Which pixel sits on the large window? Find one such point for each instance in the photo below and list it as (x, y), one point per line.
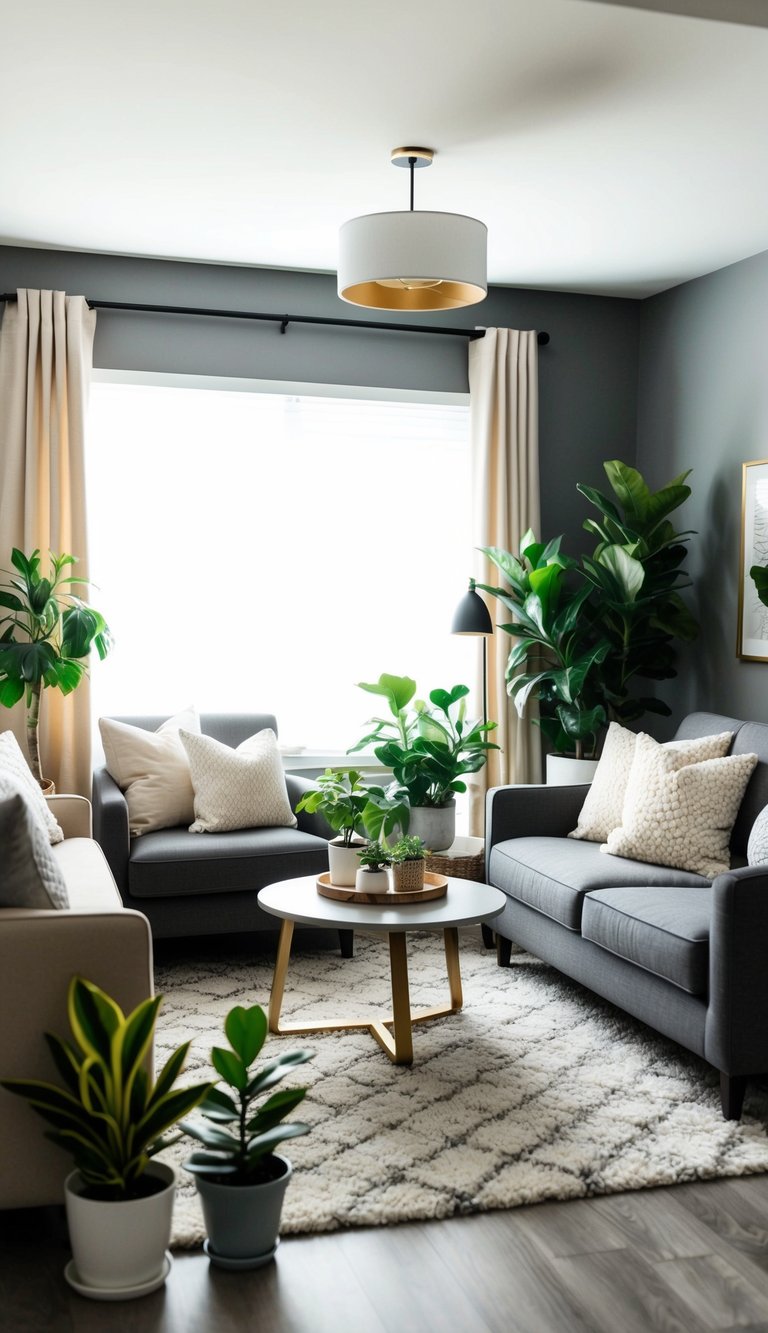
(266, 550)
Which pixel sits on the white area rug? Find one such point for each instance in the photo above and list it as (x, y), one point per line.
(536, 1090)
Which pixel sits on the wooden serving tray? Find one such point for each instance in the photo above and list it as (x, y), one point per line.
(435, 886)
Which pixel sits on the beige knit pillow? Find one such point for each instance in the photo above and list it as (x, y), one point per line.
(603, 807)
(242, 788)
(152, 770)
(680, 814)
(13, 763)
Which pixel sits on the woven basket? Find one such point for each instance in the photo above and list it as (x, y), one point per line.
(460, 867)
(407, 876)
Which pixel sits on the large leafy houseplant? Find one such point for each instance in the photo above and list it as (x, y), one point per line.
(589, 631)
(428, 749)
(110, 1114)
(340, 797)
(49, 633)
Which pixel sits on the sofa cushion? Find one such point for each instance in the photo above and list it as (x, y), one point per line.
(29, 876)
(663, 930)
(554, 874)
(152, 770)
(174, 862)
(13, 764)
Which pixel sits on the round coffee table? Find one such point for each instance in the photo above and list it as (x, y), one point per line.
(297, 901)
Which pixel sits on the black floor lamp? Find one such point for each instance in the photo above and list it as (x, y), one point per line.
(473, 617)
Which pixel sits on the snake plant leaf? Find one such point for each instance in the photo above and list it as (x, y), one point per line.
(94, 1018)
(246, 1031)
(168, 1110)
(168, 1074)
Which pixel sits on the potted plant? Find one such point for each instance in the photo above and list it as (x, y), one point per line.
(589, 631)
(372, 874)
(241, 1180)
(341, 798)
(110, 1114)
(408, 857)
(428, 750)
(48, 635)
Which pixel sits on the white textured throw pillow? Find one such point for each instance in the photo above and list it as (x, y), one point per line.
(680, 814)
(152, 770)
(12, 761)
(603, 807)
(757, 847)
(29, 875)
(242, 788)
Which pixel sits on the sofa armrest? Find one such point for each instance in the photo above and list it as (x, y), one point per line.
(531, 810)
(296, 787)
(736, 1039)
(73, 813)
(110, 825)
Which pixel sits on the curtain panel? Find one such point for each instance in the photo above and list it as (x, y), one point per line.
(504, 433)
(46, 357)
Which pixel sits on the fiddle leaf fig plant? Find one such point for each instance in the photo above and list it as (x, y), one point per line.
(49, 633)
(110, 1115)
(238, 1137)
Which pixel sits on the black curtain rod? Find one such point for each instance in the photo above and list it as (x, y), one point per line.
(285, 320)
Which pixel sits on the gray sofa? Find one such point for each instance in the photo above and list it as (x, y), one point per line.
(684, 954)
(207, 883)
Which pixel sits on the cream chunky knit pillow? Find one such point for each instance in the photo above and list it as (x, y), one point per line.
(152, 770)
(603, 807)
(242, 788)
(13, 764)
(680, 814)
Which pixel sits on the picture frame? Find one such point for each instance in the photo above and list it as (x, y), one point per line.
(752, 640)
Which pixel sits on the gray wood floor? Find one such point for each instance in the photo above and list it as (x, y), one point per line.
(687, 1258)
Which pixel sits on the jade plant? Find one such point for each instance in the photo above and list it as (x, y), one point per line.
(49, 633)
(110, 1114)
(238, 1137)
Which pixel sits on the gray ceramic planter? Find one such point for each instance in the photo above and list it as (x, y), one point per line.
(243, 1221)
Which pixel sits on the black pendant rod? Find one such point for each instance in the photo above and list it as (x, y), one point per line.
(285, 320)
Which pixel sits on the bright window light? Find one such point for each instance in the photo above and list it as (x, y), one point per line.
(264, 551)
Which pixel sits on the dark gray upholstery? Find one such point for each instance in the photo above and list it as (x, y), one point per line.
(665, 931)
(206, 883)
(686, 957)
(554, 874)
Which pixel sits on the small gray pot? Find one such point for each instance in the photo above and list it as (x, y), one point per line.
(243, 1221)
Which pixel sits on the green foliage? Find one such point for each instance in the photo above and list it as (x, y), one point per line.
(48, 634)
(236, 1137)
(429, 749)
(587, 631)
(341, 798)
(375, 856)
(408, 849)
(759, 576)
(109, 1115)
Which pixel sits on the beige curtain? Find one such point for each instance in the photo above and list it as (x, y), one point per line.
(46, 355)
(503, 391)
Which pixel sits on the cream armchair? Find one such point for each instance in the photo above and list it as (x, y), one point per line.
(39, 953)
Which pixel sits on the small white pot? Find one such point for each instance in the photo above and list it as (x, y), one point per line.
(434, 824)
(371, 881)
(562, 771)
(120, 1244)
(343, 862)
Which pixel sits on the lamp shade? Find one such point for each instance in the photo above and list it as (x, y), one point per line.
(472, 615)
(412, 261)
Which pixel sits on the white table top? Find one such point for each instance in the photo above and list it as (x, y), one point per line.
(465, 903)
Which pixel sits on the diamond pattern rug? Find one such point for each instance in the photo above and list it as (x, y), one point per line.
(536, 1090)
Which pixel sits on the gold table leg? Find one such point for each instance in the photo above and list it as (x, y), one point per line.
(398, 1044)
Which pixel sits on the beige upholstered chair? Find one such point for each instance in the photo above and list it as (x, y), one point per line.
(39, 952)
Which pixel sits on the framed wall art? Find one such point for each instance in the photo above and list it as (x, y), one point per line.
(752, 645)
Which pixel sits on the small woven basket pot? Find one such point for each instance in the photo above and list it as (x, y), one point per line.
(408, 876)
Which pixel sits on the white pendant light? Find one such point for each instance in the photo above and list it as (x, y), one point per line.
(412, 260)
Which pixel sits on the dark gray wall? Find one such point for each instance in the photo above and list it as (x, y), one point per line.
(588, 373)
(703, 404)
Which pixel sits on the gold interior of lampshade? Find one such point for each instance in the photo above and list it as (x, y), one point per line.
(419, 294)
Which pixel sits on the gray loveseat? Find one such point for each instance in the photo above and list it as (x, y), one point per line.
(207, 883)
(686, 955)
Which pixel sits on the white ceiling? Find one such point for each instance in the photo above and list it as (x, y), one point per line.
(608, 148)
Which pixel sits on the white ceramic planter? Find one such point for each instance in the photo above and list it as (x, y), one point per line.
(563, 771)
(120, 1245)
(372, 881)
(435, 825)
(343, 863)
(243, 1221)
